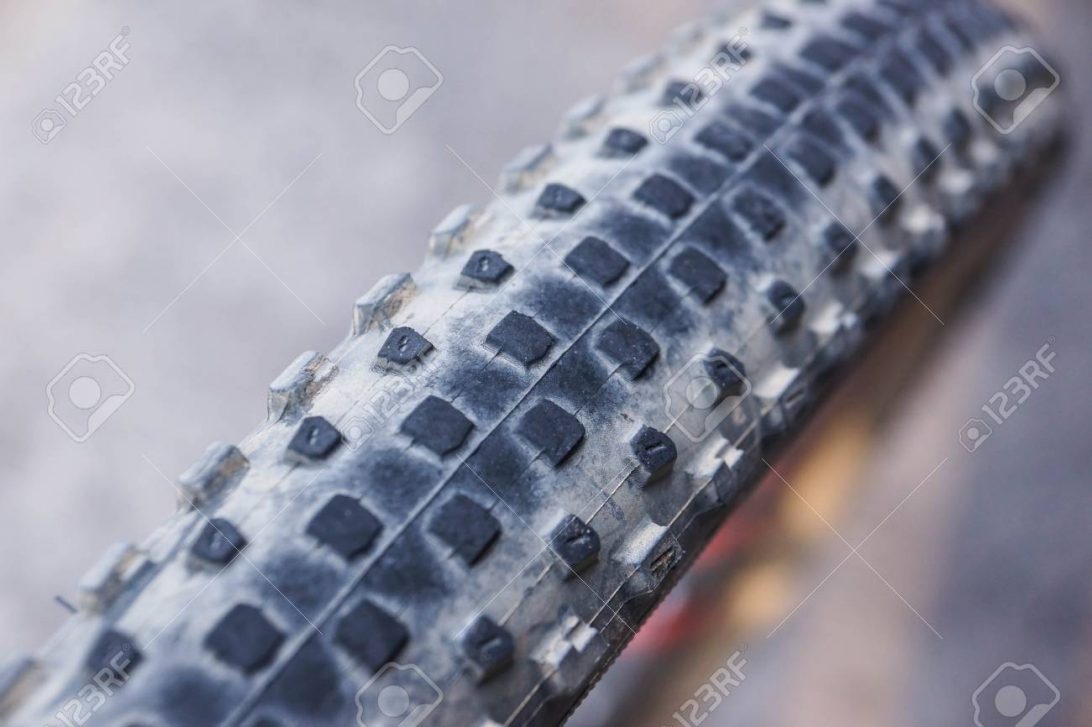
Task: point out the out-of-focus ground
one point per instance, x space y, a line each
105 251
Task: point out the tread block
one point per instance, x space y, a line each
773 21
759 123
520 338
437 425
840 243
596 261
113 651
900 72
575 542
629 347
484 269
696 271
760 213
219 542
934 51
820 123
677 91
488 646
315 439
819 165
957 129
466 526
345 526
554 432
829 54
725 140
778 94
787 306
860 118
244 639
621 142
403 347
883 195
557 199
654 450
370 635
726 372
866 26
863 85
575 378
923 155
665 196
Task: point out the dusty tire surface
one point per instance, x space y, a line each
461 514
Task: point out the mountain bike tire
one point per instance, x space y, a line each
462 514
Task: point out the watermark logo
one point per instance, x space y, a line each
704 393
87 392
93 695
397 696
88 84
1005 402
693 96
1012 85
1014 696
712 693
394 85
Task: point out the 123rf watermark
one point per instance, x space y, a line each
93 695
712 693
397 696
1004 403
394 84
691 97
88 84
1014 696
87 392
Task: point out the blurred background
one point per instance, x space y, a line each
216 207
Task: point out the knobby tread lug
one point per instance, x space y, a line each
494 430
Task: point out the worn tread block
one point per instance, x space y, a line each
576 377
308 686
883 195
467 527
867 27
957 129
760 213
113 651
244 639
664 195
596 261
778 94
315 439
699 173
566 306
758 123
787 304
405 345
622 142
575 542
829 54
820 123
698 273
437 425
840 243
655 451
488 646
553 431
725 140
819 165
219 542
629 347
715 230
370 635
559 199
726 372
485 269
520 338
900 72
499 461
773 21
804 82
677 91
860 118
345 526
934 51
923 155
863 85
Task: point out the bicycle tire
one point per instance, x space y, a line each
482 492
